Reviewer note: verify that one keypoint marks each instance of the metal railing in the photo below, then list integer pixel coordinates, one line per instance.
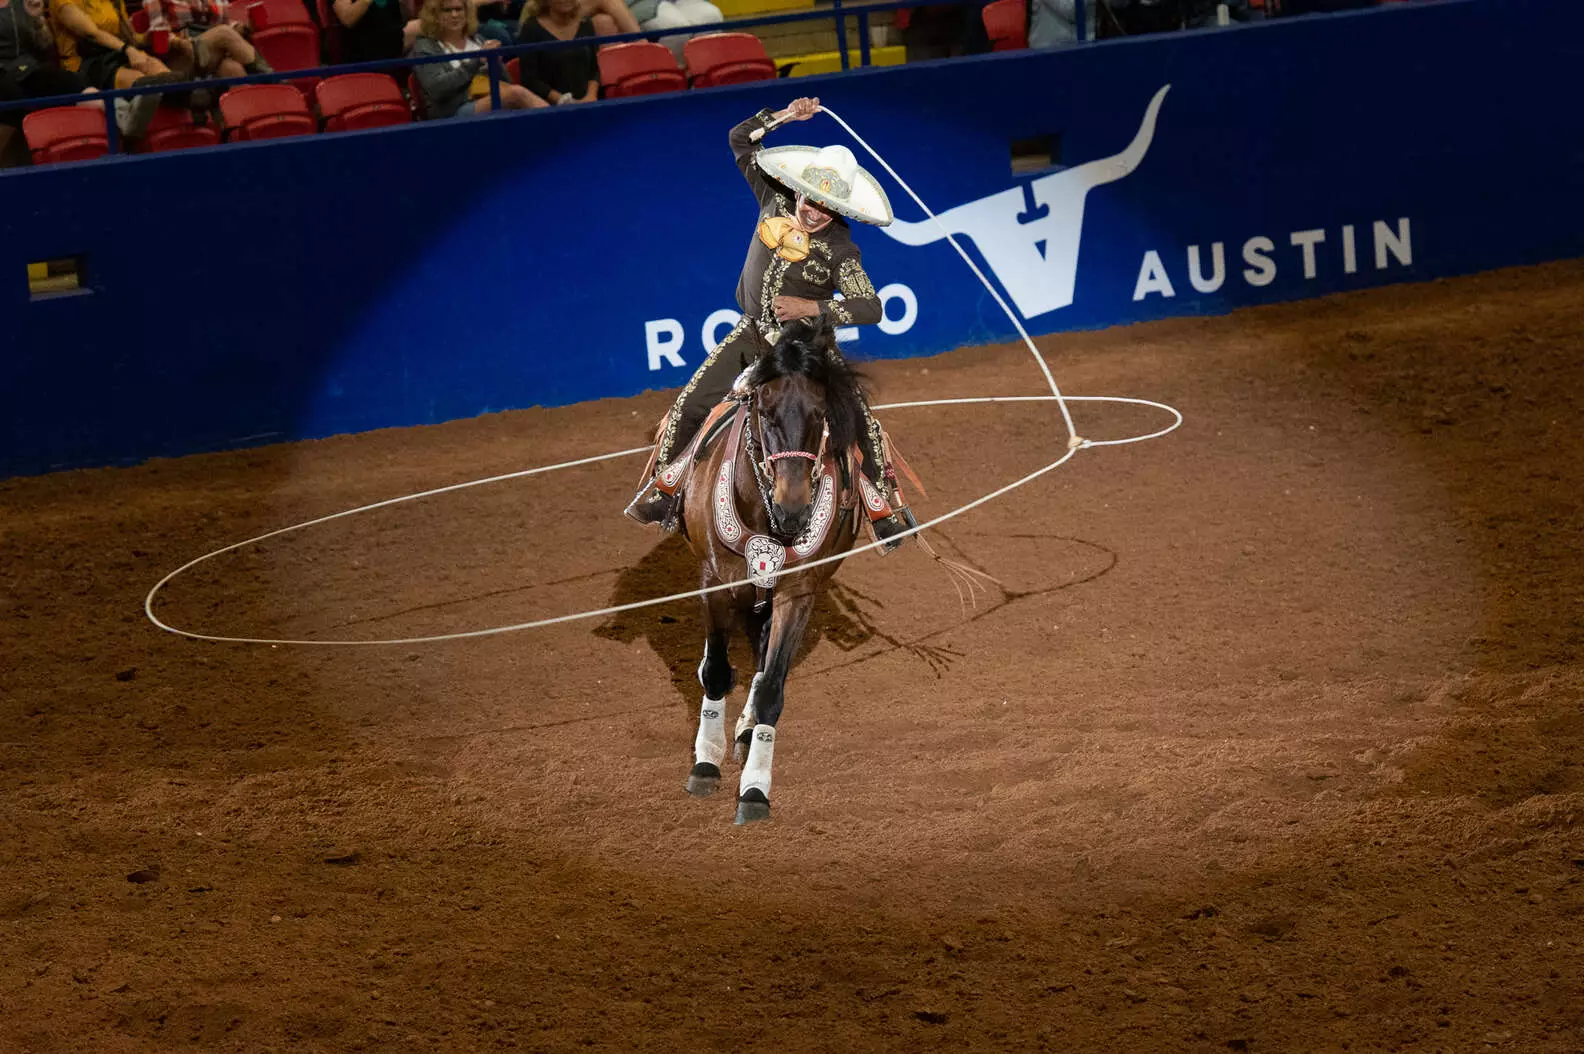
(495, 58)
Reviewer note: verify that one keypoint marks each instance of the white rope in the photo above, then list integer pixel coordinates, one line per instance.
(1072, 432)
(1074, 444)
(148, 602)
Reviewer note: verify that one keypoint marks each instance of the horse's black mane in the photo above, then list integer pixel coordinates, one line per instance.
(807, 348)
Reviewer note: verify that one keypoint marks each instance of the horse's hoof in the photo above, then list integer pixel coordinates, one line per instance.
(744, 741)
(704, 780)
(752, 807)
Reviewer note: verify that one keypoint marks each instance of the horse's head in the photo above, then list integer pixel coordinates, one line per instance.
(808, 401)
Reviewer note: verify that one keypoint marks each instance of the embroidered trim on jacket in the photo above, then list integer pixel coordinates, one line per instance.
(853, 281)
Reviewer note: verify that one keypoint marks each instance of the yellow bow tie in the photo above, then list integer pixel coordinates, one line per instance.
(782, 234)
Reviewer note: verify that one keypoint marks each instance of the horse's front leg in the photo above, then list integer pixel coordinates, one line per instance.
(790, 618)
(715, 677)
(757, 624)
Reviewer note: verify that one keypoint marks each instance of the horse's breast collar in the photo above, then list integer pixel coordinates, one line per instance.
(759, 549)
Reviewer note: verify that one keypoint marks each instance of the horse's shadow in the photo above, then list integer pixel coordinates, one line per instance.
(844, 616)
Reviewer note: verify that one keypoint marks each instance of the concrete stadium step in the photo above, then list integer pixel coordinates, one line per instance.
(830, 61)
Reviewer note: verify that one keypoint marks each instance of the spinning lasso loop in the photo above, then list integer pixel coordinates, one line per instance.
(1074, 444)
(1073, 440)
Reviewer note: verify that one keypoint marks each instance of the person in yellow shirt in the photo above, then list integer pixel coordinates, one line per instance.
(96, 42)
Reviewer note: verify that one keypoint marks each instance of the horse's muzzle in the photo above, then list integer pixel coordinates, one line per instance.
(789, 523)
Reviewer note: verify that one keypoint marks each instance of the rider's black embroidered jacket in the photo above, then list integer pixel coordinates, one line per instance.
(832, 263)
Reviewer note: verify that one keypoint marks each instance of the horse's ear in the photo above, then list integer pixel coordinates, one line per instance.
(824, 331)
(811, 334)
(810, 331)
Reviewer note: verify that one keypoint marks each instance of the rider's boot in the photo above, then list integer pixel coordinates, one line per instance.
(654, 506)
(887, 529)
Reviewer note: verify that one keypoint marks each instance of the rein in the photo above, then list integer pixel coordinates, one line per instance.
(753, 443)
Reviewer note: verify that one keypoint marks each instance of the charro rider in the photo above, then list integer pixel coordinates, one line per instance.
(800, 256)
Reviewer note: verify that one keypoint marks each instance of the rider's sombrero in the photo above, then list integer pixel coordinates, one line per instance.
(829, 177)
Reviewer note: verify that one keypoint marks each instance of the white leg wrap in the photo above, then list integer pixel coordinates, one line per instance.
(750, 715)
(710, 745)
(756, 773)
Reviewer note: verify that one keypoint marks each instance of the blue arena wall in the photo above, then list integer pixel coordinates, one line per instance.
(266, 292)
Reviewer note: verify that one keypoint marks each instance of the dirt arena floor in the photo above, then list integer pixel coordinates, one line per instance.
(1271, 742)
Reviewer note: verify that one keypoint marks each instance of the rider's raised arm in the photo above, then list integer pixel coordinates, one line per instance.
(859, 305)
(744, 148)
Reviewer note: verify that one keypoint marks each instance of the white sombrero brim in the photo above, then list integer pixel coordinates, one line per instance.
(868, 204)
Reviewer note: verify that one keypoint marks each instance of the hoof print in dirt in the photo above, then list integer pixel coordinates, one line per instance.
(704, 780)
(932, 1017)
(344, 859)
(143, 875)
(752, 807)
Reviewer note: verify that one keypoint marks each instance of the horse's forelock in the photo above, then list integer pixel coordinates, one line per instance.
(807, 348)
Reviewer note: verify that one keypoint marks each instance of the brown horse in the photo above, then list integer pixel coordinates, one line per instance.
(769, 489)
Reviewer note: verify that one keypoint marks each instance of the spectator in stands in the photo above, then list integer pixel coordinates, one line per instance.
(610, 17)
(461, 86)
(674, 14)
(96, 42)
(1054, 23)
(495, 21)
(613, 16)
(27, 50)
(563, 74)
(203, 44)
(941, 31)
(26, 71)
(373, 30)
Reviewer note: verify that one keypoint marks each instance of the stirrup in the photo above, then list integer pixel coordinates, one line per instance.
(654, 506)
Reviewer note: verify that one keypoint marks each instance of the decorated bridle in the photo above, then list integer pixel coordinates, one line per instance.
(763, 467)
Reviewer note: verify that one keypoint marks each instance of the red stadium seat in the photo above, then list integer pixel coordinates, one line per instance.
(1006, 23)
(514, 71)
(727, 58)
(360, 100)
(294, 46)
(265, 111)
(639, 68)
(267, 14)
(173, 128)
(65, 133)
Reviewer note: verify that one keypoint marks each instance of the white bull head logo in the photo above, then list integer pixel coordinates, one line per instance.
(1037, 262)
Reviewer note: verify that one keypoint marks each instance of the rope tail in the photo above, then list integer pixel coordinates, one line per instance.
(968, 581)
